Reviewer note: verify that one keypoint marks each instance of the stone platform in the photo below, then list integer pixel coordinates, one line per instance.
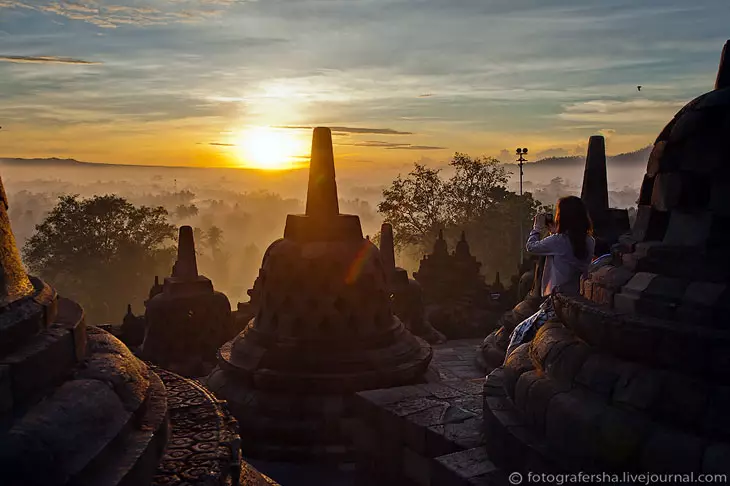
(427, 434)
(204, 445)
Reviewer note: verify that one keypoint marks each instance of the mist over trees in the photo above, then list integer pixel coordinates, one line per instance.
(474, 199)
(236, 214)
(103, 251)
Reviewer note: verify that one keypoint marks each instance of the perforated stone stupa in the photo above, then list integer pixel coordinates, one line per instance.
(324, 329)
(635, 374)
(77, 408)
(187, 321)
(406, 293)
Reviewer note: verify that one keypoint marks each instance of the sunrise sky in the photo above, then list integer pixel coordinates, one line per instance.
(197, 82)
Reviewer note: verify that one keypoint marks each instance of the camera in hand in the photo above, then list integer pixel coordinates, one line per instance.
(549, 220)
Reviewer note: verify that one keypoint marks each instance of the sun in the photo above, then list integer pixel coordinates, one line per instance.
(270, 148)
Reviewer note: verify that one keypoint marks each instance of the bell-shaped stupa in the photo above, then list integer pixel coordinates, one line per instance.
(634, 375)
(187, 321)
(324, 329)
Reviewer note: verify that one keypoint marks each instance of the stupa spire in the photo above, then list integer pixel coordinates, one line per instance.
(595, 181)
(322, 187)
(723, 72)
(387, 247)
(186, 265)
(14, 282)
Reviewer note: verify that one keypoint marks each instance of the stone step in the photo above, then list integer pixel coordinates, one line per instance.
(32, 370)
(131, 458)
(471, 467)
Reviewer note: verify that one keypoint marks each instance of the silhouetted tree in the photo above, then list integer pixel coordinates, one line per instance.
(416, 205)
(474, 199)
(102, 251)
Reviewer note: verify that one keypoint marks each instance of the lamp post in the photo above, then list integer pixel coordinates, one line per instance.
(521, 152)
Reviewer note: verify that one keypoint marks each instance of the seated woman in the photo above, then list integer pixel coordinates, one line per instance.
(568, 251)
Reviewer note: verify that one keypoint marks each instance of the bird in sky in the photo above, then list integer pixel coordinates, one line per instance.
(639, 87)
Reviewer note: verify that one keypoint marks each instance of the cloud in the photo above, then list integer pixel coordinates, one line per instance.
(393, 146)
(614, 111)
(425, 95)
(219, 144)
(45, 60)
(379, 131)
(111, 15)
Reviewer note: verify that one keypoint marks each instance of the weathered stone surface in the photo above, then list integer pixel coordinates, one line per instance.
(671, 451)
(649, 385)
(324, 326)
(187, 321)
(467, 464)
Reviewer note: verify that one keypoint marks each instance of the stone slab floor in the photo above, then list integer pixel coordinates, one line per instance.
(454, 368)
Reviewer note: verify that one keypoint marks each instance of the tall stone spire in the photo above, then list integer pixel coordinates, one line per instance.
(322, 187)
(14, 282)
(186, 265)
(595, 181)
(387, 247)
(723, 72)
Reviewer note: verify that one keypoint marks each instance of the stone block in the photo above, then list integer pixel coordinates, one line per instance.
(526, 381)
(617, 277)
(703, 293)
(645, 193)
(565, 365)
(638, 283)
(716, 459)
(681, 352)
(638, 388)
(416, 467)
(626, 303)
(459, 435)
(719, 195)
(652, 167)
(367, 403)
(40, 363)
(621, 434)
(650, 224)
(719, 233)
(666, 288)
(671, 451)
(517, 363)
(688, 228)
(6, 391)
(716, 418)
(440, 390)
(666, 191)
(632, 340)
(467, 387)
(572, 425)
(471, 403)
(600, 373)
(415, 425)
(590, 324)
(682, 401)
(460, 467)
(551, 338)
(392, 418)
(538, 400)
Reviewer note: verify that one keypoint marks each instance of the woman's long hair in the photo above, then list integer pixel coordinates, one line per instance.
(571, 218)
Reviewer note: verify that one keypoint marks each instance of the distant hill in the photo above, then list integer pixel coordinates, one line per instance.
(637, 157)
(50, 162)
(629, 158)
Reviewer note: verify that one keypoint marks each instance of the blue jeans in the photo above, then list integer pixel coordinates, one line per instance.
(526, 330)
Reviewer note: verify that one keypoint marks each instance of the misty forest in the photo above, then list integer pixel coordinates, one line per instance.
(81, 224)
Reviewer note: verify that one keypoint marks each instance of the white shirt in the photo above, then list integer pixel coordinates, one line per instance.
(562, 268)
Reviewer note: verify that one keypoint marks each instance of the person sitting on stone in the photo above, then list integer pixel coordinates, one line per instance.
(568, 250)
